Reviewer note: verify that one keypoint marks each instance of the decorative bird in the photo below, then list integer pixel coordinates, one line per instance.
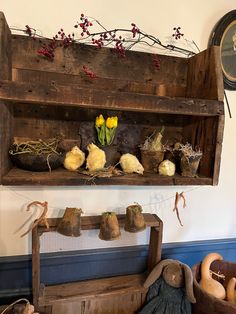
(96, 158)
(129, 164)
(74, 159)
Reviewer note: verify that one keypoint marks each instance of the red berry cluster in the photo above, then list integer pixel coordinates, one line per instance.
(119, 48)
(157, 62)
(66, 40)
(47, 50)
(59, 40)
(30, 31)
(84, 24)
(89, 72)
(98, 42)
(177, 33)
(104, 37)
(135, 30)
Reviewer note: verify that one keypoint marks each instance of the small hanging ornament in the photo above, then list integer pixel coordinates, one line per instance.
(109, 228)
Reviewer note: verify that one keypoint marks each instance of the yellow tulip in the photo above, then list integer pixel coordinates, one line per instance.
(99, 121)
(111, 122)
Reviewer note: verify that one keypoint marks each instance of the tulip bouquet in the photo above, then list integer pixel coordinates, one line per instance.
(106, 129)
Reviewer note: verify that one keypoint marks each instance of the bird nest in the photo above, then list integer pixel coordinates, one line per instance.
(37, 155)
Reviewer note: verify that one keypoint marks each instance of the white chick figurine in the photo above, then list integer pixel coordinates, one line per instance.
(96, 158)
(74, 159)
(129, 163)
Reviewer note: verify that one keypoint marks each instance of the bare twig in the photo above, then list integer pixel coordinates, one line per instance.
(42, 218)
(222, 276)
(178, 196)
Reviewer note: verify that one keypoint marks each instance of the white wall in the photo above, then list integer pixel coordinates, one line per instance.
(210, 213)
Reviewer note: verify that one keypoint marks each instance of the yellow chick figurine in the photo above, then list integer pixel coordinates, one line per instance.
(129, 164)
(74, 159)
(96, 158)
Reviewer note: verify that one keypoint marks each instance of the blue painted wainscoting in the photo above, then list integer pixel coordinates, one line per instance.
(15, 271)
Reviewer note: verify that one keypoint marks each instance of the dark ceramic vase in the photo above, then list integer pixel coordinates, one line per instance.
(112, 154)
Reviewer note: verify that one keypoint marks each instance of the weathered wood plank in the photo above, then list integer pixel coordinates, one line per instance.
(125, 304)
(92, 98)
(154, 255)
(6, 134)
(205, 79)
(35, 266)
(47, 310)
(61, 176)
(112, 84)
(218, 149)
(90, 289)
(137, 66)
(5, 49)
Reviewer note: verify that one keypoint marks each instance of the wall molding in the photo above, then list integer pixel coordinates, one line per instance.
(15, 271)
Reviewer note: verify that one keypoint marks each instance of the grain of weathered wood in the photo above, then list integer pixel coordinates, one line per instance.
(154, 255)
(218, 149)
(6, 134)
(46, 310)
(103, 62)
(90, 289)
(62, 177)
(5, 49)
(92, 98)
(113, 84)
(125, 304)
(35, 266)
(205, 79)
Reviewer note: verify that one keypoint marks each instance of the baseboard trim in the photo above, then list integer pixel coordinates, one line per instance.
(15, 271)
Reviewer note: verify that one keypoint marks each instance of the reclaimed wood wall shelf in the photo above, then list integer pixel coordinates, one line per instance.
(42, 99)
(121, 294)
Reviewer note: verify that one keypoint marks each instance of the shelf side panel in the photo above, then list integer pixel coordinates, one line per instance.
(205, 79)
(218, 149)
(5, 49)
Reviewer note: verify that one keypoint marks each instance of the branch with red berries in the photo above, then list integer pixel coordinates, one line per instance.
(114, 38)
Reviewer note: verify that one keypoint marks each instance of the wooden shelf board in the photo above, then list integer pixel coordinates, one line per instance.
(61, 177)
(71, 95)
(89, 289)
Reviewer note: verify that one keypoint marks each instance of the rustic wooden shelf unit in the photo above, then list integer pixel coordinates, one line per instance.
(121, 294)
(43, 99)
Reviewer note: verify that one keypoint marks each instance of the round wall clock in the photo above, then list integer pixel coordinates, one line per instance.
(224, 35)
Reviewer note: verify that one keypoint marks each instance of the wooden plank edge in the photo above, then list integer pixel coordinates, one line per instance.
(5, 49)
(218, 150)
(32, 178)
(108, 290)
(92, 98)
(218, 72)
